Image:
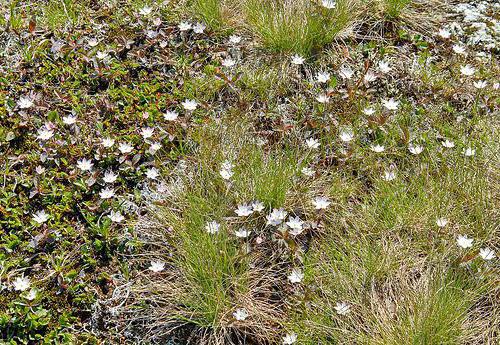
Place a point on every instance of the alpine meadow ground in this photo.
(256, 172)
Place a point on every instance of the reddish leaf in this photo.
(32, 25)
(468, 257)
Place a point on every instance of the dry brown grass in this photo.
(153, 310)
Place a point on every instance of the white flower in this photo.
(242, 233)
(321, 202)
(226, 171)
(157, 266)
(308, 171)
(441, 222)
(21, 283)
(228, 62)
(184, 26)
(69, 120)
(154, 148)
(296, 225)
(108, 142)
(170, 115)
(147, 132)
(24, 102)
(244, 210)
(257, 206)
(487, 253)
(234, 39)
(297, 59)
(189, 104)
(31, 295)
(84, 164)
(240, 314)
(39, 169)
(323, 98)
(390, 104)
(276, 217)
(151, 34)
(467, 70)
(212, 227)
(444, 33)
(296, 276)
(389, 175)
(464, 242)
(458, 49)
(383, 66)
(92, 42)
(107, 193)
(45, 134)
(322, 77)
(40, 217)
(481, 84)
(448, 144)
(290, 339)
(369, 111)
(152, 173)
(346, 72)
(369, 77)
(198, 28)
(342, 308)
(415, 149)
(102, 55)
(377, 148)
(226, 174)
(110, 177)
(145, 11)
(469, 152)
(312, 143)
(346, 135)
(329, 4)
(125, 148)
(116, 217)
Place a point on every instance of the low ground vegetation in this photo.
(249, 172)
